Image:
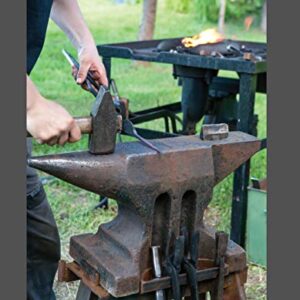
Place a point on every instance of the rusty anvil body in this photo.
(157, 195)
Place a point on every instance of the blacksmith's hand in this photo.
(67, 15)
(48, 122)
(89, 61)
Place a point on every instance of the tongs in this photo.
(93, 87)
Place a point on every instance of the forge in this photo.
(161, 200)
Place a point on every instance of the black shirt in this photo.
(38, 12)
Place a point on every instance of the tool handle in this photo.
(86, 127)
(85, 124)
(156, 262)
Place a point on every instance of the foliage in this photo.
(182, 6)
(208, 10)
(237, 9)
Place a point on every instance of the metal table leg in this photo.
(247, 89)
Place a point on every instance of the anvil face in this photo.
(157, 195)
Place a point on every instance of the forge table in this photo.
(252, 79)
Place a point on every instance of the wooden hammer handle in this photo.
(85, 124)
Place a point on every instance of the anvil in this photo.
(157, 194)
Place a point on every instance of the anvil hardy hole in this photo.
(188, 211)
(161, 218)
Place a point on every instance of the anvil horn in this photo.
(74, 168)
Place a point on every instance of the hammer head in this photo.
(102, 140)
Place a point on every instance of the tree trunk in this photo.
(148, 20)
(264, 18)
(222, 12)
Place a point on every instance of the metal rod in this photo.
(159, 294)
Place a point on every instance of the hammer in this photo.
(102, 125)
(107, 118)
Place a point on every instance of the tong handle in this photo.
(73, 62)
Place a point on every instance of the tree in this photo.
(148, 20)
(222, 12)
(264, 18)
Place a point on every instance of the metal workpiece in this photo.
(215, 131)
(158, 194)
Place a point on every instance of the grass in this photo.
(145, 87)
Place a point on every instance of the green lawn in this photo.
(145, 87)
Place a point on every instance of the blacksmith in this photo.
(49, 123)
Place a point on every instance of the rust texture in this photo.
(104, 123)
(157, 195)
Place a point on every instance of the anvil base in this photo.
(94, 255)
